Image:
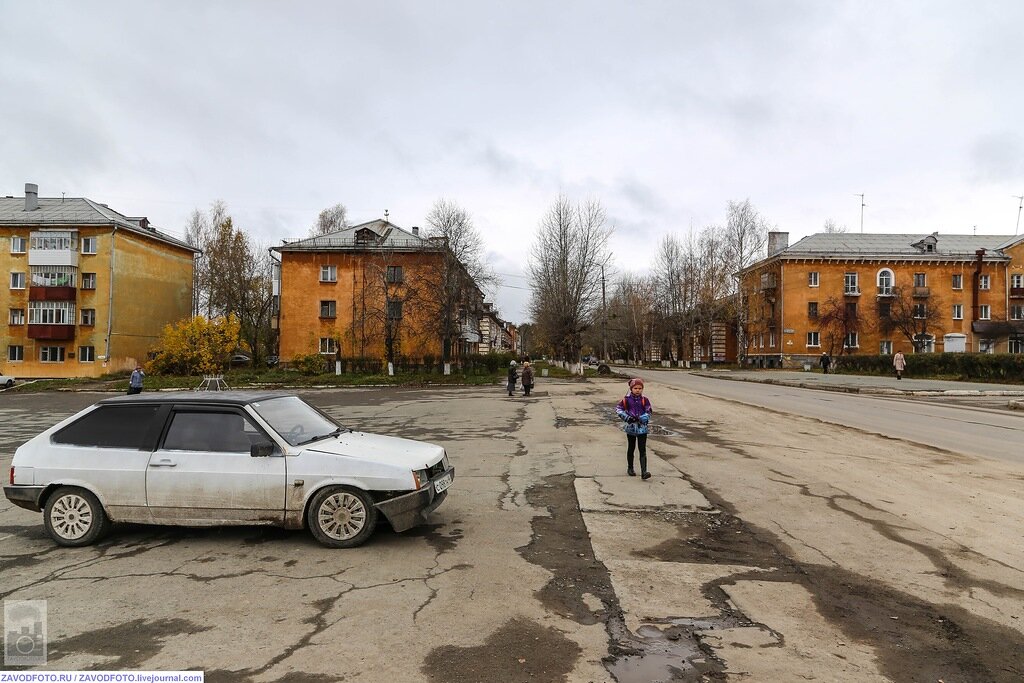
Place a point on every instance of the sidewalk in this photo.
(866, 384)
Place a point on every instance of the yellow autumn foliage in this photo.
(196, 346)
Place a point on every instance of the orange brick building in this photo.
(356, 292)
(843, 293)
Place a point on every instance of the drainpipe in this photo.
(975, 291)
(110, 300)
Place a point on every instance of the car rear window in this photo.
(110, 427)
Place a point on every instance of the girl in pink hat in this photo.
(635, 410)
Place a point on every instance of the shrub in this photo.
(195, 346)
(993, 367)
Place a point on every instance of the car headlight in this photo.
(420, 478)
(444, 462)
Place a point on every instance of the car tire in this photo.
(10, 383)
(341, 517)
(74, 517)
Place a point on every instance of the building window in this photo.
(86, 354)
(1015, 345)
(328, 309)
(850, 341)
(920, 279)
(88, 245)
(851, 310)
(88, 317)
(958, 311)
(771, 340)
(925, 343)
(17, 316)
(1017, 312)
(850, 284)
(812, 309)
(394, 309)
(88, 280)
(812, 278)
(984, 312)
(1017, 281)
(984, 282)
(53, 276)
(51, 313)
(920, 310)
(885, 282)
(394, 274)
(328, 345)
(813, 339)
(18, 244)
(51, 354)
(884, 309)
(17, 280)
(885, 347)
(328, 273)
(987, 346)
(53, 241)
(958, 281)
(15, 353)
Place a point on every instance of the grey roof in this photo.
(75, 211)
(389, 236)
(860, 244)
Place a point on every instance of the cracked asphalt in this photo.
(762, 550)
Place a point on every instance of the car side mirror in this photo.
(261, 450)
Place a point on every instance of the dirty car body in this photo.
(223, 458)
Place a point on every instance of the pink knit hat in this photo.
(636, 381)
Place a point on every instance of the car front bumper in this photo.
(25, 496)
(406, 511)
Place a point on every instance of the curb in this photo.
(874, 391)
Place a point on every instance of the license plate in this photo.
(443, 483)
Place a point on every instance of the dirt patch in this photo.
(713, 539)
(130, 643)
(519, 651)
(439, 541)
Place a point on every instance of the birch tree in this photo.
(331, 219)
(744, 238)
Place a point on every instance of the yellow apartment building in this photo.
(88, 290)
(355, 292)
(844, 294)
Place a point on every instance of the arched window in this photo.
(885, 282)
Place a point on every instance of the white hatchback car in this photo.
(6, 381)
(223, 458)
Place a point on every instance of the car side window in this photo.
(110, 427)
(216, 431)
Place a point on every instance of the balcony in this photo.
(51, 332)
(37, 293)
(885, 291)
(53, 257)
(851, 291)
(1017, 292)
(921, 292)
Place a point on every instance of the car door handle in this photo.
(163, 463)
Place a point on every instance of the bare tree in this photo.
(199, 232)
(674, 291)
(830, 227)
(565, 267)
(913, 317)
(632, 309)
(837, 319)
(744, 237)
(458, 283)
(331, 219)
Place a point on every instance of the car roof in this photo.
(197, 397)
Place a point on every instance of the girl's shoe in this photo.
(631, 472)
(645, 475)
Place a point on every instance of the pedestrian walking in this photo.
(513, 375)
(527, 378)
(635, 410)
(826, 361)
(900, 363)
(135, 381)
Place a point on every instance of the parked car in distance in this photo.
(6, 381)
(272, 361)
(239, 360)
(223, 458)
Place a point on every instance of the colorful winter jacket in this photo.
(635, 411)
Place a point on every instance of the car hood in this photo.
(385, 449)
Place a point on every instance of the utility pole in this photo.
(604, 319)
(862, 205)
(1019, 207)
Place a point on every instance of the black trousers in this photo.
(632, 441)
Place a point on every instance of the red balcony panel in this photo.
(54, 332)
(36, 293)
(1017, 292)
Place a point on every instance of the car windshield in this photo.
(295, 420)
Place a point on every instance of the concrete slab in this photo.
(626, 535)
(809, 647)
(607, 494)
(656, 592)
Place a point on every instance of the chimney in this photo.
(777, 241)
(31, 196)
(416, 230)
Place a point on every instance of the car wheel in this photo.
(342, 517)
(10, 383)
(73, 517)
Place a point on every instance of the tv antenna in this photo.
(862, 205)
(1019, 207)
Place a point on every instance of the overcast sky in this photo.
(664, 111)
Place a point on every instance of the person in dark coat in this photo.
(513, 375)
(826, 361)
(635, 410)
(527, 378)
